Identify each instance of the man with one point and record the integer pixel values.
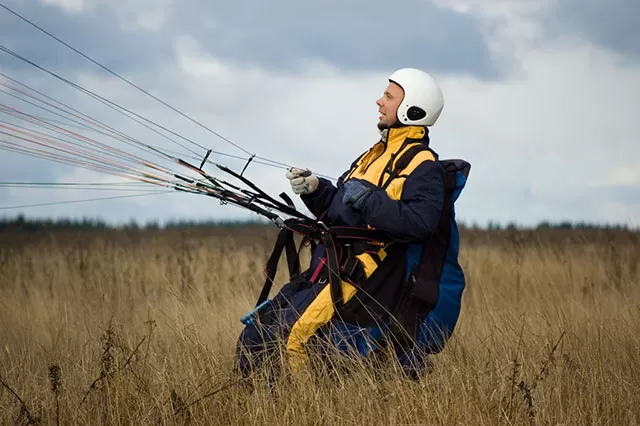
(404, 291)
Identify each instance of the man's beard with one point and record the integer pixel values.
(385, 126)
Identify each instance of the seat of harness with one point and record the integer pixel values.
(341, 245)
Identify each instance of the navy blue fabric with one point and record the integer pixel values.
(411, 219)
(258, 341)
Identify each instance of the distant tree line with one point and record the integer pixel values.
(20, 223)
(496, 226)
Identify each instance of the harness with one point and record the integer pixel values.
(341, 243)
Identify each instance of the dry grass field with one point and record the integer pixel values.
(139, 328)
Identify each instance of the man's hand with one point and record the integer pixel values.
(356, 192)
(302, 181)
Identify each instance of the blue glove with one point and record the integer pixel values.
(356, 192)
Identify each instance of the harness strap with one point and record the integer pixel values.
(333, 264)
(404, 160)
(388, 168)
(335, 239)
(286, 242)
(347, 239)
(316, 273)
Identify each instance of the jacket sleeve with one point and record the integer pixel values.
(416, 215)
(318, 201)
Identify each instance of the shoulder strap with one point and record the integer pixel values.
(404, 161)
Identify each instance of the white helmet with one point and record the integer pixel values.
(423, 100)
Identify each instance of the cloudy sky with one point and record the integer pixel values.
(541, 97)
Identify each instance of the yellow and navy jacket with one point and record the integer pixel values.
(416, 282)
(410, 206)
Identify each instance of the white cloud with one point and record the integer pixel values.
(542, 143)
(302, 117)
(150, 15)
(619, 176)
(563, 124)
(73, 6)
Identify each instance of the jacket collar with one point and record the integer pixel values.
(395, 136)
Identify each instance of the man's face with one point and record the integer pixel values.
(388, 105)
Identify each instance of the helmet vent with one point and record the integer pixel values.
(416, 113)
